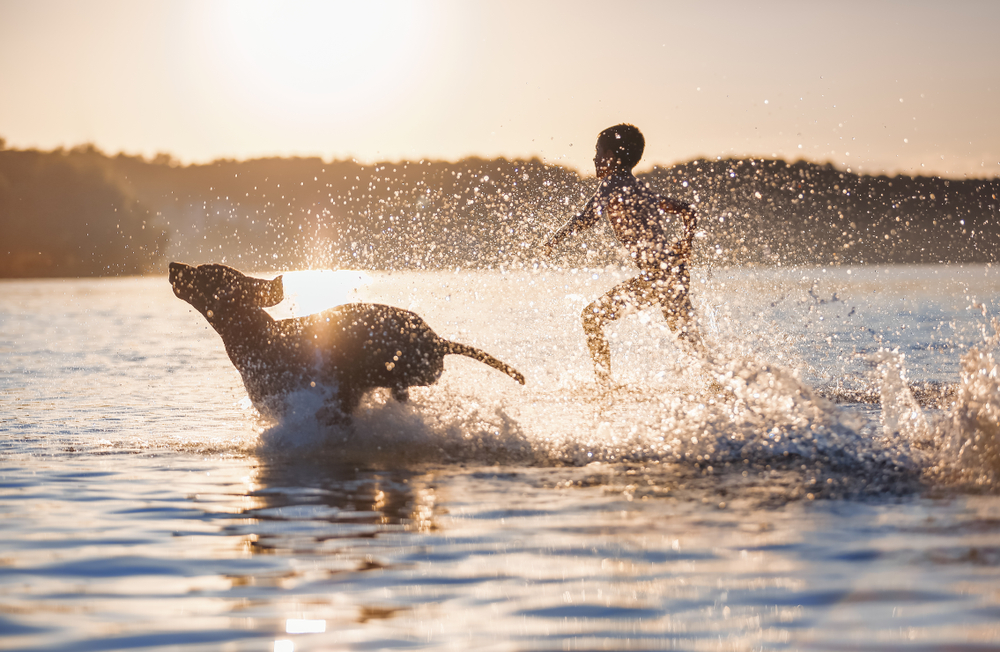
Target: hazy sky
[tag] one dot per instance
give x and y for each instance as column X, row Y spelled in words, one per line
column 911, row 87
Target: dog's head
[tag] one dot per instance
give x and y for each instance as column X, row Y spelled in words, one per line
column 211, row 289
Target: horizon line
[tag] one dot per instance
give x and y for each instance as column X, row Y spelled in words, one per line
column 173, row 161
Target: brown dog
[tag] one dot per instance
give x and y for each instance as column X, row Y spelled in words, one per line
column 348, row 350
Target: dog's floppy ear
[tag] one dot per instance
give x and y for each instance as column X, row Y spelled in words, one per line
column 273, row 292
column 257, row 292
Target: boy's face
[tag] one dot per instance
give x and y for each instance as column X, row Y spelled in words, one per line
column 605, row 161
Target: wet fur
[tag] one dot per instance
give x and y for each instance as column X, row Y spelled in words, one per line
column 350, row 349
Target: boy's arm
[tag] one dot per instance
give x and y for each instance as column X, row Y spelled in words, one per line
column 582, row 220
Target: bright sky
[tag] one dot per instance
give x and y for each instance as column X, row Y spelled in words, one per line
column 910, row 86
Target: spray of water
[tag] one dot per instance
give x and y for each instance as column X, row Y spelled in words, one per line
column 757, row 406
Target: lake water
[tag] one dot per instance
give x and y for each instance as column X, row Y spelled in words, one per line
column 827, row 480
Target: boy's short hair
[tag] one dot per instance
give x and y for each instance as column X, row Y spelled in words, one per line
column 626, row 140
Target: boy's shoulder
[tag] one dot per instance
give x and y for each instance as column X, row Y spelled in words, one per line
column 621, row 182
column 637, row 194
column 627, row 185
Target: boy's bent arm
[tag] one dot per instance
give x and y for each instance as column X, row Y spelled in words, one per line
column 685, row 210
column 582, row 220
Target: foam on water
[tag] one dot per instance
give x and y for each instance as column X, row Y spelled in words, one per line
column 386, row 433
column 755, row 418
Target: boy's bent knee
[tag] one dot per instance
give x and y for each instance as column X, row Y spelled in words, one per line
column 593, row 318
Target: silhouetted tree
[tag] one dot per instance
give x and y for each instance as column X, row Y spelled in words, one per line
column 58, row 218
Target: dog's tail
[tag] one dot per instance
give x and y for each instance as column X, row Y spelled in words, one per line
column 482, row 356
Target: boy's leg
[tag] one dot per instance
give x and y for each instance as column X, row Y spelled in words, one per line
column 600, row 350
column 636, row 293
column 675, row 302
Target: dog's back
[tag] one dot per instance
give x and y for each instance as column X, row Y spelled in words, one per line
column 375, row 345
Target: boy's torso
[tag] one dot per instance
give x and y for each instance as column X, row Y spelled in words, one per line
column 637, row 218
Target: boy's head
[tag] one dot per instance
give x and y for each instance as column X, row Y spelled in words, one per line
column 618, row 147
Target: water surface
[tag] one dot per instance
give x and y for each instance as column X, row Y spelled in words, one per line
column 826, row 481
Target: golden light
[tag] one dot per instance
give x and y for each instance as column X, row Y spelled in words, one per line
column 310, row 291
column 324, row 57
column 304, row 626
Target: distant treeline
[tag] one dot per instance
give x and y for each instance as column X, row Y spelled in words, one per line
column 80, row 212
column 62, row 215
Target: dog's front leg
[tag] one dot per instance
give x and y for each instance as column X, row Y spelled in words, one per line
column 340, row 405
column 348, row 397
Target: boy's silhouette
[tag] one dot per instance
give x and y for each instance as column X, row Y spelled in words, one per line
column 642, row 221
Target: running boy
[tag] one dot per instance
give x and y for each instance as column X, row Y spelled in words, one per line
column 642, row 221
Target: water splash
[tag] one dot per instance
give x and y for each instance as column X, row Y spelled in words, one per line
column 958, row 444
column 747, row 422
column 971, row 429
column 902, row 416
column 383, row 432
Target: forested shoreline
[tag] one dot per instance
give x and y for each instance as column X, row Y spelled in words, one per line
column 81, row 212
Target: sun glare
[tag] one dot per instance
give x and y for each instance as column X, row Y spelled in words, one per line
column 325, row 56
column 310, row 291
